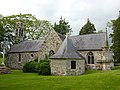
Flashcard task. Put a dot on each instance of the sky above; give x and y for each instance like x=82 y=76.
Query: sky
x=76 y=12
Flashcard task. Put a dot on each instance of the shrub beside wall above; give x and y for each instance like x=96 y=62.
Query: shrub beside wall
x=42 y=68
x=30 y=67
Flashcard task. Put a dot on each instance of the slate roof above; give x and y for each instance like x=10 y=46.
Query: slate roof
x=26 y=46
x=89 y=41
x=62 y=37
x=29 y=45
x=67 y=51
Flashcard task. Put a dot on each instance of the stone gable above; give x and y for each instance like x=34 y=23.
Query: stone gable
x=52 y=42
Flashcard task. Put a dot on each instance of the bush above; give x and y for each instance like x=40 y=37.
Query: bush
x=30 y=67
x=44 y=68
x=36 y=59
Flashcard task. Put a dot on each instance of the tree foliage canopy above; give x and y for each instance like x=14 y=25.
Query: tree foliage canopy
x=62 y=27
x=116 y=39
x=34 y=28
x=88 y=28
x=1 y=32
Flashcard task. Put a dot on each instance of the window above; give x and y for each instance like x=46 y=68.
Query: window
x=32 y=55
x=51 y=53
x=20 y=32
x=90 y=58
x=73 y=64
x=16 y=32
x=19 y=60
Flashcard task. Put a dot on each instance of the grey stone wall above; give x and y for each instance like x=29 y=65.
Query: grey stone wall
x=58 y=67
x=52 y=42
x=105 y=56
x=63 y=67
x=80 y=68
x=14 y=62
x=97 y=55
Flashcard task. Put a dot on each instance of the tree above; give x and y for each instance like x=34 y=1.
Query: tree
x=1 y=32
x=5 y=37
x=115 y=39
x=1 y=16
x=100 y=31
x=34 y=28
x=1 y=35
x=88 y=28
x=62 y=27
x=39 y=29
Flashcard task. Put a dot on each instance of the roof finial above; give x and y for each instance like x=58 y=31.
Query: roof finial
x=67 y=34
x=106 y=40
x=88 y=20
x=20 y=18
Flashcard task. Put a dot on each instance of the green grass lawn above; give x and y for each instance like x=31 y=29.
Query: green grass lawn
x=91 y=80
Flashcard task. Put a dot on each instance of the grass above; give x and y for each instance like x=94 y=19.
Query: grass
x=91 y=80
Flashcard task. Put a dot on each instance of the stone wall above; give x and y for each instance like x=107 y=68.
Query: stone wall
x=63 y=67
x=58 y=67
x=14 y=62
x=105 y=56
x=97 y=55
x=52 y=42
x=80 y=68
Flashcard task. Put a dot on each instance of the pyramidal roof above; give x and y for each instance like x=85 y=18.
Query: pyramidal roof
x=67 y=51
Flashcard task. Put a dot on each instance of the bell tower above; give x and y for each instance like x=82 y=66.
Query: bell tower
x=19 y=32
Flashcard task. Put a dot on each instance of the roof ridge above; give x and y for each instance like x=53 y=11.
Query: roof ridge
x=88 y=34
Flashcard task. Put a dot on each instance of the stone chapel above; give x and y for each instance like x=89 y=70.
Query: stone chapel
x=69 y=55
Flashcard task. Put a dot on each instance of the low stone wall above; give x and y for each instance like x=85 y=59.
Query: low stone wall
x=100 y=66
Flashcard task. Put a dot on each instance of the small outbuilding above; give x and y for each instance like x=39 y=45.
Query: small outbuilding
x=67 y=61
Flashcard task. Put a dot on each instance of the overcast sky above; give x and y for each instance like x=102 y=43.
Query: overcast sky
x=75 y=12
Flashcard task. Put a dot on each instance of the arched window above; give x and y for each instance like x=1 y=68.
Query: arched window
x=90 y=58
x=20 y=32
x=19 y=60
x=51 y=53
x=16 y=32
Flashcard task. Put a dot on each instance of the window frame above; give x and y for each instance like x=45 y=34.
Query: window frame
x=19 y=59
x=73 y=64
x=90 y=58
